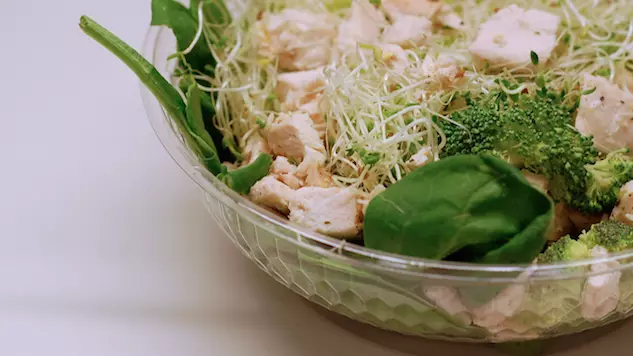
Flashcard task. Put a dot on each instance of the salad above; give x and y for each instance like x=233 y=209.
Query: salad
x=483 y=131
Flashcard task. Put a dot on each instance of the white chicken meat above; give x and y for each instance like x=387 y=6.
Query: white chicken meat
x=623 y=210
x=509 y=37
x=298 y=39
x=606 y=114
x=331 y=211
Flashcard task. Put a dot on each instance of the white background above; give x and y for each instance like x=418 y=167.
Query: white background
x=105 y=246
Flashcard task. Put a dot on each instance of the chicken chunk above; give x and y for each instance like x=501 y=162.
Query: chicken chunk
x=443 y=69
x=602 y=291
x=421 y=158
x=426 y=8
x=299 y=39
x=449 y=300
x=408 y=31
x=311 y=170
x=504 y=305
x=285 y=171
x=449 y=18
x=292 y=134
x=298 y=88
x=606 y=114
x=363 y=25
x=272 y=193
x=303 y=91
x=509 y=36
x=395 y=57
x=331 y=211
x=623 y=211
x=254 y=146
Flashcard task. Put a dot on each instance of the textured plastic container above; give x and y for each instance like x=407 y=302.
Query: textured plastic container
x=406 y=295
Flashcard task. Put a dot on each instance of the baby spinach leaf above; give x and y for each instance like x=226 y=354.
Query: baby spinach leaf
x=478 y=204
x=184 y=25
x=215 y=12
x=242 y=179
x=195 y=120
x=188 y=117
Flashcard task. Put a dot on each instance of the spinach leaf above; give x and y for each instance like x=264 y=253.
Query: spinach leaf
x=478 y=204
x=194 y=115
x=208 y=113
x=241 y=180
x=215 y=12
x=184 y=25
x=188 y=117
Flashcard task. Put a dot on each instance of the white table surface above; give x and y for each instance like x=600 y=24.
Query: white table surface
x=105 y=246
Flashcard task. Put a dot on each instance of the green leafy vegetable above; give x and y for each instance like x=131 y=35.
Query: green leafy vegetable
x=188 y=117
x=463 y=204
x=241 y=180
x=184 y=25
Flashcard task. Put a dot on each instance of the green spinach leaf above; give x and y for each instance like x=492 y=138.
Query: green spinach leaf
x=188 y=117
x=184 y=25
x=241 y=180
x=195 y=119
x=478 y=204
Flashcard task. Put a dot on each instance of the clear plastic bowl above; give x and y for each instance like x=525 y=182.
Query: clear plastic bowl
x=433 y=299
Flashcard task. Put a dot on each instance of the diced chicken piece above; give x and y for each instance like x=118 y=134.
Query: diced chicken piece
x=602 y=291
x=426 y=8
x=623 y=211
x=303 y=91
x=509 y=36
x=363 y=25
x=312 y=171
x=292 y=134
x=299 y=39
x=449 y=18
x=395 y=57
x=408 y=31
x=443 y=69
x=331 y=211
x=281 y=165
x=449 y=300
x=254 y=146
x=562 y=224
x=291 y=180
x=298 y=88
x=421 y=158
x=584 y=222
x=504 y=305
x=285 y=172
x=272 y=193
x=538 y=181
x=606 y=114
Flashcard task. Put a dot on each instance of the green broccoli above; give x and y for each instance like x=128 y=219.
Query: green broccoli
x=535 y=133
x=564 y=250
x=605 y=179
x=550 y=302
x=613 y=235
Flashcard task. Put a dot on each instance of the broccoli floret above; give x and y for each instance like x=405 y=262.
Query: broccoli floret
x=613 y=235
x=535 y=133
x=565 y=249
x=606 y=177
